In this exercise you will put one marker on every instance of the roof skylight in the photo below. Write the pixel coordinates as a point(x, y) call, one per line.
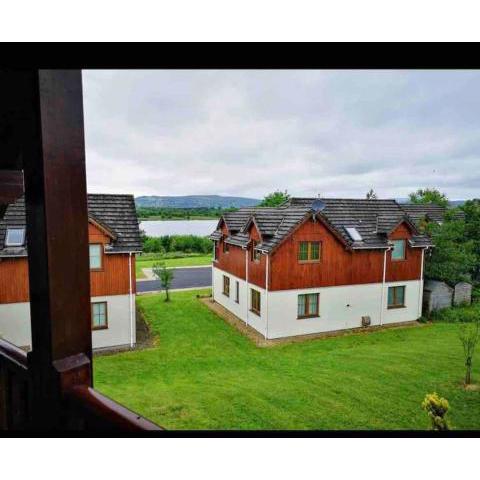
point(15, 237)
point(354, 235)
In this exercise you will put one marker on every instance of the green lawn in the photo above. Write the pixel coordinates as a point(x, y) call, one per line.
point(192, 260)
point(205, 375)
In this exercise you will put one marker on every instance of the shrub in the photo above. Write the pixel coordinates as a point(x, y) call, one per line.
point(177, 243)
point(436, 408)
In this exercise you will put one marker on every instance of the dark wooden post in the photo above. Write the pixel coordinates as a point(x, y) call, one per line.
point(53, 154)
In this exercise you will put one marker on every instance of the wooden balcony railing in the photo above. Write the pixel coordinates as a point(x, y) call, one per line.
point(42, 135)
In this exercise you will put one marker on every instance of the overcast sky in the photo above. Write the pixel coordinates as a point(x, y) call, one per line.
point(247, 133)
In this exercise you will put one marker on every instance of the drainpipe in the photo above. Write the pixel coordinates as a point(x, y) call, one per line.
point(213, 270)
point(420, 287)
point(267, 261)
point(382, 303)
point(246, 285)
point(132, 326)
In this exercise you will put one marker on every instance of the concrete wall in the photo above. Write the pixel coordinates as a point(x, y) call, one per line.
point(340, 307)
point(15, 323)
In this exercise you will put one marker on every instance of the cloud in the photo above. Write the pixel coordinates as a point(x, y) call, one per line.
point(338, 133)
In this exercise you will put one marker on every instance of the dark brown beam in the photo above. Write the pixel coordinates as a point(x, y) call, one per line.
point(11, 186)
point(53, 154)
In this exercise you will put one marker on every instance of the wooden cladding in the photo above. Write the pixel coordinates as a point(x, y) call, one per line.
point(111, 279)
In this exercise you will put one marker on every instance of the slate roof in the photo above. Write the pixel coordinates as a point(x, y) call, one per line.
point(116, 213)
point(430, 211)
point(373, 219)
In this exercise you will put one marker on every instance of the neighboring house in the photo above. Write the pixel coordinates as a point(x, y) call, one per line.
point(114, 239)
point(314, 265)
point(428, 212)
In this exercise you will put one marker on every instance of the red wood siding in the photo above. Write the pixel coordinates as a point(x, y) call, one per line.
point(256, 269)
point(112, 279)
point(233, 261)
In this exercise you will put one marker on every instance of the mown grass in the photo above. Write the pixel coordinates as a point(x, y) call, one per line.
point(205, 375)
point(187, 260)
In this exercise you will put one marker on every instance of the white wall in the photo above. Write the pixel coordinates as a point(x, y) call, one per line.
point(241, 309)
point(340, 307)
point(15, 323)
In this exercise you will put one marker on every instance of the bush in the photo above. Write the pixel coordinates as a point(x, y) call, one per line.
point(436, 408)
point(462, 313)
point(177, 243)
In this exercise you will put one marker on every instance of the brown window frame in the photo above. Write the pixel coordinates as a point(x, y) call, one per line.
point(395, 304)
point(237, 291)
point(226, 286)
point(253, 304)
point(226, 247)
point(404, 250)
point(307, 306)
point(254, 254)
point(100, 269)
point(309, 251)
point(101, 327)
point(215, 251)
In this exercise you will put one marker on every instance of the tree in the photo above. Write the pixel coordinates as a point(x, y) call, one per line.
point(471, 208)
point(371, 195)
point(469, 335)
point(452, 260)
point(165, 276)
point(274, 199)
point(436, 408)
point(429, 195)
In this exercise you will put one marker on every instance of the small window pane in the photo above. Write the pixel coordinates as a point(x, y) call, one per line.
point(15, 237)
point(390, 296)
point(398, 252)
point(312, 304)
point(303, 252)
point(315, 251)
point(99, 315)
point(400, 300)
point(95, 256)
point(301, 305)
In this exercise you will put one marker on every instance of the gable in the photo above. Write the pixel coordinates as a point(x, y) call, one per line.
point(402, 230)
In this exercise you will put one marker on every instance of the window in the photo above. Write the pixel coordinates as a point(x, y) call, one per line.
point(237, 291)
point(309, 252)
point(95, 256)
point(254, 254)
point(215, 251)
point(396, 297)
point(226, 247)
point(255, 300)
point(398, 252)
point(226, 285)
point(354, 235)
point(99, 316)
point(308, 305)
point(15, 237)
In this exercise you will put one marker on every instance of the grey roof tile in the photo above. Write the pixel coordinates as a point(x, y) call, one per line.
point(116, 212)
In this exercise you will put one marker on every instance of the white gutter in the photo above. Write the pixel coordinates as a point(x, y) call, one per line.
point(420, 287)
point(382, 303)
point(132, 326)
point(213, 269)
point(267, 261)
point(246, 285)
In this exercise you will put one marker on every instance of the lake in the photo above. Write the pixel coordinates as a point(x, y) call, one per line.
point(158, 228)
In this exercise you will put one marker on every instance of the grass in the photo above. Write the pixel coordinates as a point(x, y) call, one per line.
point(203, 374)
point(189, 260)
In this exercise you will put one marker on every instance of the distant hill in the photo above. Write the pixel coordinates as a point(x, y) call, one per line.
point(195, 201)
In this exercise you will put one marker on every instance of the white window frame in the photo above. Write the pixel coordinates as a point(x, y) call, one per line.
point(15, 244)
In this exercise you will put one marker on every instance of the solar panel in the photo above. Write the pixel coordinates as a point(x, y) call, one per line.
point(15, 237)
point(354, 235)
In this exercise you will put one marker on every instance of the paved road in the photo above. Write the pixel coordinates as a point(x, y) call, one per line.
point(184, 278)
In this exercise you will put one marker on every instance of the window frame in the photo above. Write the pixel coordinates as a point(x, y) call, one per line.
point(237, 291)
point(309, 251)
point(96, 269)
point(395, 304)
point(254, 254)
point(226, 285)
point(307, 305)
point(253, 309)
point(226, 247)
point(215, 251)
point(100, 327)
point(15, 244)
point(403, 240)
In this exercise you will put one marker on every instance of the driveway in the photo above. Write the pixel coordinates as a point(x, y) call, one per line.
point(195, 277)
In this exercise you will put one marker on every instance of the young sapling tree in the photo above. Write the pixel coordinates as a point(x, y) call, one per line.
point(165, 276)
